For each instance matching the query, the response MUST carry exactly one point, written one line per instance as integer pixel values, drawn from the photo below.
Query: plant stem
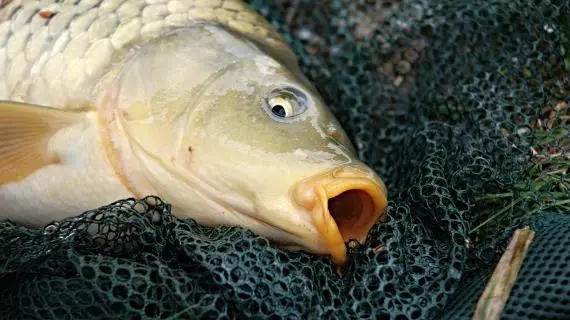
(510, 206)
(526, 194)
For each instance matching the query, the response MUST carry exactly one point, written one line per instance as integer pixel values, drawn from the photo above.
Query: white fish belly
(83, 180)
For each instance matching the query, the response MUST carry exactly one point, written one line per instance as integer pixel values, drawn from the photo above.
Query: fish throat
(352, 211)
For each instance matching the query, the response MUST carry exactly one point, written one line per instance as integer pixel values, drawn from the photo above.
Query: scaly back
(55, 52)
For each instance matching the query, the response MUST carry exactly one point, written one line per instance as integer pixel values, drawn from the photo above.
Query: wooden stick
(495, 296)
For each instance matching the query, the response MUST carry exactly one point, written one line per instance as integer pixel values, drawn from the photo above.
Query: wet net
(462, 108)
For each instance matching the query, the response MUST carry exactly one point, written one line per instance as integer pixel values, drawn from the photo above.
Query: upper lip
(369, 198)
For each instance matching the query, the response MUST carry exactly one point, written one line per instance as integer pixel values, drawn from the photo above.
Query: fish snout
(344, 204)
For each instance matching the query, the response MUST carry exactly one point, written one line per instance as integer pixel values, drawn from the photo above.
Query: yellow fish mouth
(344, 205)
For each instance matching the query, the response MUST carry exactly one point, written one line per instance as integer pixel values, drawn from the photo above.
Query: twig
(505, 209)
(495, 196)
(494, 297)
(526, 194)
(555, 204)
(292, 12)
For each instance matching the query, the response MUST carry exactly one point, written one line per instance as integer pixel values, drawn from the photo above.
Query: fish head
(249, 133)
(265, 132)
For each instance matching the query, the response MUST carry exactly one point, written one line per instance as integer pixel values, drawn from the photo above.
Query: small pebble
(403, 67)
(411, 55)
(398, 81)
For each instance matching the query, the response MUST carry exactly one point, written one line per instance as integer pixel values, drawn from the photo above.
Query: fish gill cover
(460, 105)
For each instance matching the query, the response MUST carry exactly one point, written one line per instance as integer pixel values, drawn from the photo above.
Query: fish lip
(314, 193)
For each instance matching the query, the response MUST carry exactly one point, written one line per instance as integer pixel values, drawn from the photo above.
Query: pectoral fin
(25, 131)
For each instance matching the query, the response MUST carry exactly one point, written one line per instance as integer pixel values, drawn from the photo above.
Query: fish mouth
(344, 205)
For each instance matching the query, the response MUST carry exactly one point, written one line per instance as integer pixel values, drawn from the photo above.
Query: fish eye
(285, 103)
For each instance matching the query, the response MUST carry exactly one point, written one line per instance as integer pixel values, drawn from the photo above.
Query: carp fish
(199, 102)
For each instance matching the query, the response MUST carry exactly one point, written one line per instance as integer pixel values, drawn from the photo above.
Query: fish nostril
(353, 213)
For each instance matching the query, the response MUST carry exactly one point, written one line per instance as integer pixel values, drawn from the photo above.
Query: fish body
(198, 102)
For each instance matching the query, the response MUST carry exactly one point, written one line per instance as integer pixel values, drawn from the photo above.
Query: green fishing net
(461, 107)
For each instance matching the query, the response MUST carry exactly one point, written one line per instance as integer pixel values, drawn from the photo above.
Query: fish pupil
(279, 111)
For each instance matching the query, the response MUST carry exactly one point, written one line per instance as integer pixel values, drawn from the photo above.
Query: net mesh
(542, 288)
(461, 106)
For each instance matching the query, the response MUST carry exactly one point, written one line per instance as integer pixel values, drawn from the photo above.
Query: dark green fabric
(442, 98)
(542, 290)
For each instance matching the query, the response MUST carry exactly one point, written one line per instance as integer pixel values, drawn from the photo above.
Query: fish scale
(55, 59)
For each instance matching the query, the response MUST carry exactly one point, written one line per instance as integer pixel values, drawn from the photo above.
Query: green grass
(545, 184)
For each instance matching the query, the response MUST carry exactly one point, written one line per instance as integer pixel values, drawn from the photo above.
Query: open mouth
(353, 212)
(344, 207)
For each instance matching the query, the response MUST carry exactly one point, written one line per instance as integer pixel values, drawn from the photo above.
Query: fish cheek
(236, 123)
(237, 116)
